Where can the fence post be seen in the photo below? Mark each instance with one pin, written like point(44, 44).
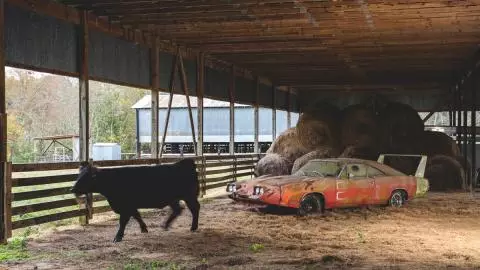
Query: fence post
point(8, 200)
point(234, 168)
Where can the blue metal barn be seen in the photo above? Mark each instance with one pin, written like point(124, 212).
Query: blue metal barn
point(216, 124)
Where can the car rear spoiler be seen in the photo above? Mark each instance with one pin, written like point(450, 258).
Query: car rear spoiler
point(420, 172)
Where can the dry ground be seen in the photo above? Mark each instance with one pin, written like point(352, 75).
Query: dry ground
point(440, 231)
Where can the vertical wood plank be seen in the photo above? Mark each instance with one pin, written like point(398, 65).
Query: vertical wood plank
point(256, 144)
point(232, 113)
point(84, 88)
point(84, 124)
point(8, 200)
point(3, 124)
point(200, 94)
point(155, 73)
point(183, 80)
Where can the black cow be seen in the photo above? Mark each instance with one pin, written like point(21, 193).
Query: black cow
point(128, 189)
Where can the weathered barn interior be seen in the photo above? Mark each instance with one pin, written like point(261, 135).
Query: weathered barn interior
point(289, 55)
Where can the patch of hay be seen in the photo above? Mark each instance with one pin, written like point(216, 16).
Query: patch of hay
point(288, 146)
point(272, 164)
point(444, 173)
point(359, 127)
point(320, 153)
point(438, 143)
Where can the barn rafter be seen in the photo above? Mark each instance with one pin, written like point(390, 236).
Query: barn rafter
point(322, 45)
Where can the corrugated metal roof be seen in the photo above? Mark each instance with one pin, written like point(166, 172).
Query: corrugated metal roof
point(179, 101)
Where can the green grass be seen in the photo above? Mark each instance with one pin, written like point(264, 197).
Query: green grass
point(151, 265)
point(16, 248)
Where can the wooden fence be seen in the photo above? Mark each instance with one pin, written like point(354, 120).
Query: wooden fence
point(40, 193)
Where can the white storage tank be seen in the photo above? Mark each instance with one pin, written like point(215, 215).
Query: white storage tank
point(106, 151)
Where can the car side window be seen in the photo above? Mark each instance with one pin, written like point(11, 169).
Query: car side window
point(356, 171)
point(373, 172)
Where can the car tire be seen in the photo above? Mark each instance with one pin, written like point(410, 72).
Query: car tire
point(397, 199)
point(310, 204)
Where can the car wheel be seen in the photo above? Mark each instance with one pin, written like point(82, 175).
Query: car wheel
point(309, 204)
point(397, 199)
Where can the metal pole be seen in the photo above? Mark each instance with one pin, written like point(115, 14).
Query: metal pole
point(183, 80)
point(473, 132)
point(256, 146)
point(289, 107)
point(171, 86)
point(274, 113)
point(465, 134)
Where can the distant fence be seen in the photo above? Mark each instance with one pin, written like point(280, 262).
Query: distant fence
point(40, 193)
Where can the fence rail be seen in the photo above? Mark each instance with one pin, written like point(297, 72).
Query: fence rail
point(40, 193)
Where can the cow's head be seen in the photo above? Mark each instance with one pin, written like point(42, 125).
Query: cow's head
point(86, 179)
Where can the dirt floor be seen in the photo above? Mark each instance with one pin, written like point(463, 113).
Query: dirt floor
point(438, 232)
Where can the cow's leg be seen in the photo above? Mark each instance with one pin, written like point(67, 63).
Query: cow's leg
point(138, 218)
point(124, 218)
point(176, 210)
point(194, 207)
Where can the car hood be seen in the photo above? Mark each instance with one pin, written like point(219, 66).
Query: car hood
point(280, 180)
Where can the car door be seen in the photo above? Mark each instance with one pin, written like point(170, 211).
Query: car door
point(354, 187)
point(376, 176)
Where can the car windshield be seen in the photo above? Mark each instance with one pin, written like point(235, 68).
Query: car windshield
point(322, 168)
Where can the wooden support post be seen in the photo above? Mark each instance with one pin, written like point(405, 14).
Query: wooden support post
point(200, 93)
point(155, 73)
point(459, 116)
point(274, 113)
point(8, 200)
point(232, 113)
point(289, 107)
point(256, 144)
point(465, 135)
point(473, 125)
point(171, 87)
point(183, 80)
point(3, 126)
point(84, 102)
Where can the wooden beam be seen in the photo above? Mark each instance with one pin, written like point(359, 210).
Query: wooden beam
point(171, 87)
point(3, 131)
point(183, 80)
point(232, 112)
point(256, 145)
point(200, 94)
point(155, 80)
point(84, 88)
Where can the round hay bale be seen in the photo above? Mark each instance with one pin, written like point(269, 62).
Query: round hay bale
point(400, 128)
point(467, 167)
point(438, 143)
point(272, 164)
point(288, 146)
point(359, 127)
point(369, 153)
point(320, 153)
point(444, 173)
point(319, 128)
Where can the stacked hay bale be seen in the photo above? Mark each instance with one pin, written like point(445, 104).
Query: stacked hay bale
point(359, 132)
point(317, 129)
point(320, 153)
point(445, 168)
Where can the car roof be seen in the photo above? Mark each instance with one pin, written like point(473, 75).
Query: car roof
point(383, 167)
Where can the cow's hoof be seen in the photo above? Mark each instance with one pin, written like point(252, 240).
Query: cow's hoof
point(165, 227)
point(193, 229)
point(117, 239)
point(144, 230)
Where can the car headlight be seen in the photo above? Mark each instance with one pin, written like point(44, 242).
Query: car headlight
point(232, 187)
point(257, 190)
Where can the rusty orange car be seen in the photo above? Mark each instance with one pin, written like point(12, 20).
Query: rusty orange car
point(334, 183)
